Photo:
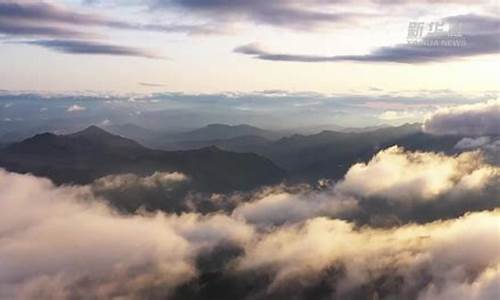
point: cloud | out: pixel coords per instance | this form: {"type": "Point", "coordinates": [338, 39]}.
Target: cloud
{"type": "Point", "coordinates": [289, 14]}
{"type": "Point", "coordinates": [391, 115]}
{"type": "Point", "coordinates": [490, 146]}
{"type": "Point", "coordinates": [268, 109]}
{"type": "Point", "coordinates": [47, 19]}
{"type": "Point", "coordinates": [40, 18]}
{"type": "Point", "coordinates": [43, 11]}
{"type": "Point", "coordinates": [152, 84]}
{"type": "Point", "coordinates": [480, 36]}
{"type": "Point", "coordinates": [278, 207]}
{"type": "Point", "coordinates": [484, 288]}
{"type": "Point", "coordinates": [296, 14]}
{"type": "Point", "coordinates": [341, 261]}
{"type": "Point", "coordinates": [480, 119]}
{"type": "Point", "coordinates": [91, 48]}
{"type": "Point", "coordinates": [397, 175]}
{"type": "Point", "coordinates": [473, 143]}
{"type": "Point", "coordinates": [76, 108]}
{"type": "Point", "coordinates": [61, 25]}
{"type": "Point", "coordinates": [63, 243]}
{"type": "Point", "coordinates": [40, 30]}
{"type": "Point", "coordinates": [130, 192]}
{"type": "Point", "coordinates": [394, 187]}
{"type": "Point", "coordinates": [158, 179]}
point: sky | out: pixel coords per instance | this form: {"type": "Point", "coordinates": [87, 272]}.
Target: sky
{"type": "Point", "coordinates": [213, 47]}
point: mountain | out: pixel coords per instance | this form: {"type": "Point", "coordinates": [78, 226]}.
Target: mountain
{"type": "Point", "coordinates": [138, 133]}
{"type": "Point", "coordinates": [223, 131]}
{"type": "Point", "coordinates": [329, 154]}
{"type": "Point", "coordinates": [92, 153]}
{"type": "Point", "coordinates": [210, 135]}
{"type": "Point", "coordinates": [314, 129]}
{"type": "Point", "coordinates": [330, 149]}
{"type": "Point", "coordinates": [238, 163]}
{"type": "Point", "coordinates": [247, 143]}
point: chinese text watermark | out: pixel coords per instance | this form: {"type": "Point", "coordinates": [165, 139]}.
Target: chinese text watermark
{"type": "Point", "coordinates": [436, 34]}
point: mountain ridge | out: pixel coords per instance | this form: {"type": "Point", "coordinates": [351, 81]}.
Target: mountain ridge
{"type": "Point", "coordinates": [93, 152]}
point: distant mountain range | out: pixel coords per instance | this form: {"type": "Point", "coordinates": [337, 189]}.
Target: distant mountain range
{"type": "Point", "coordinates": [219, 157]}
{"type": "Point", "coordinates": [223, 131]}
{"type": "Point", "coordinates": [92, 153]}
{"type": "Point", "coordinates": [190, 139]}
{"type": "Point", "coordinates": [327, 154]}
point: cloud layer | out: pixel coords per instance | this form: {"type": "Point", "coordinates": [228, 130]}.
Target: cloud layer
{"type": "Point", "coordinates": [480, 119]}
{"type": "Point", "coordinates": [65, 242]}
{"type": "Point", "coordinates": [60, 243]}
{"type": "Point", "coordinates": [397, 175]}
{"type": "Point", "coordinates": [410, 262]}
{"type": "Point", "coordinates": [394, 187]}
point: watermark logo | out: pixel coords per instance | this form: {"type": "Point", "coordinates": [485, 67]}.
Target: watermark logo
{"type": "Point", "coordinates": [436, 34]}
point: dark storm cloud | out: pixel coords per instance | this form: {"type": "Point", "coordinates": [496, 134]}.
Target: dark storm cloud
{"type": "Point", "coordinates": [481, 35]}
{"type": "Point", "coordinates": [90, 47]}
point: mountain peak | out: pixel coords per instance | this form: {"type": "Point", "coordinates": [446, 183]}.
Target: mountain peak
{"type": "Point", "coordinates": [92, 130]}
{"type": "Point", "coordinates": [217, 125]}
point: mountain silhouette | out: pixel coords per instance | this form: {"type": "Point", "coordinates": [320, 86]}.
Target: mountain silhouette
{"type": "Point", "coordinates": [92, 153]}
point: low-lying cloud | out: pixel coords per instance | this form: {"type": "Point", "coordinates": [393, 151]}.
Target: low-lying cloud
{"type": "Point", "coordinates": [61, 243]}
{"type": "Point", "coordinates": [396, 186]}
{"type": "Point", "coordinates": [480, 119]}
{"type": "Point", "coordinates": [398, 175]}
{"type": "Point", "coordinates": [403, 225]}
{"type": "Point", "coordinates": [129, 192]}
{"type": "Point", "coordinates": [410, 262]}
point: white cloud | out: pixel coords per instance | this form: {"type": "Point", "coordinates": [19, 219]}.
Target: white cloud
{"type": "Point", "coordinates": [282, 207]}
{"type": "Point", "coordinates": [402, 181]}
{"type": "Point", "coordinates": [157, 179]}
{"type": "Point", "coordinates": [394, 115]}
{"type": "Point", "coordinates": [60, 242]}
{"type": "Point", "coordinates": [76, 108]}
{"type": "Point", "coordinates": [486, 287]}
{"type": "Point", "coordinates": [442, 252]}
{"type": "Point", "coordinates": [396, 174]}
